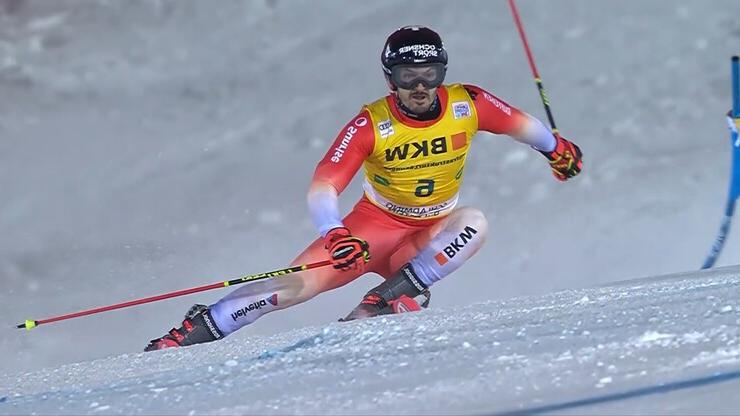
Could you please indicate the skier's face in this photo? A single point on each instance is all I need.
(418, 99)
(417, 84)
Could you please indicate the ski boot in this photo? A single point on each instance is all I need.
(395, 295)
(197, 328)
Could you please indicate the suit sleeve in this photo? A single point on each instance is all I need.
(354, 143)
(497, 117)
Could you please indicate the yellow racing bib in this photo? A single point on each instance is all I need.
(416, 172)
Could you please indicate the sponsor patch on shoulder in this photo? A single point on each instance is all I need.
(461, 109)
(498, 104)
(386, 128)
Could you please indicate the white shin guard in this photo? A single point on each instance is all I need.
(462, 235)
(244, 305)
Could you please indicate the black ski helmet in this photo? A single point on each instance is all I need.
(412, 45)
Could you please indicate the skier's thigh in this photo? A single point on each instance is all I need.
(325, 278)
(452, 224)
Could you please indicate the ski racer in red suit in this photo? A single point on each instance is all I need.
(407, 227)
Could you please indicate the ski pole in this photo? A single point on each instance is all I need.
(530, 58)
(29, 324)
(734, 191)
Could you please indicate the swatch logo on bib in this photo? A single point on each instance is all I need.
(385, 128)
(461, 109)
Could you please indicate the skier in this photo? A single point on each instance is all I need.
(407, 227)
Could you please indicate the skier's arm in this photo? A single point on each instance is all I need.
(354, 143)
(498, 117)
(495, 116)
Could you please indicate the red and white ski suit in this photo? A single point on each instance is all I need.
(408, 212)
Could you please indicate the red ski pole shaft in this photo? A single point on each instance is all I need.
(29, 324)
(530, 58)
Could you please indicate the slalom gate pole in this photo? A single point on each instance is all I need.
(530, 58)
(29, 324)
(734, 189)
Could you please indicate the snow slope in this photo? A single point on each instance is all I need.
(156, 145)
(654, 346)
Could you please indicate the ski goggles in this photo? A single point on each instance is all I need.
(407, 77)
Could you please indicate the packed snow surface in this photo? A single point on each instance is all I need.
(674, 334)
(151, 146)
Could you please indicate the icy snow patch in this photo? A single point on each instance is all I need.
(651, 337)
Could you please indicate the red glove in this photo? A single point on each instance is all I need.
(566, 160)
(346, 252)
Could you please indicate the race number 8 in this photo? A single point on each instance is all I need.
(425, 189)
